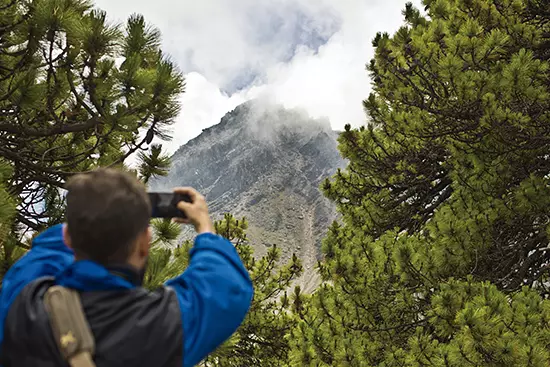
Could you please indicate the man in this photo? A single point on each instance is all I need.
(102, 253)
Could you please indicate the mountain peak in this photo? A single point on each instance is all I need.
(264, 162)
(266, 122)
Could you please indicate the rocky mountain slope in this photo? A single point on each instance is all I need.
(265, 163)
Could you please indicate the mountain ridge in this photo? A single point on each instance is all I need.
(265, 163)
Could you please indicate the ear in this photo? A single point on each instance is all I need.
(66, 236)
(145, 242)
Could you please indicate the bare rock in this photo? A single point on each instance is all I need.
(266, 163)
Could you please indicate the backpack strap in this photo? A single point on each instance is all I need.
(70, 327)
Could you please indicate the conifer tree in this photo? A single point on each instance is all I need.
(77, 92)
(442, 255)
(9, 251)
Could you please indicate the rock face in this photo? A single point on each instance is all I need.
(265, 163)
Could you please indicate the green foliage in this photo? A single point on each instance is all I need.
(262, 338)
(164, 260)
(7, 210)
(442, 255)
(9, 251)
(77, 92)
(153, 164)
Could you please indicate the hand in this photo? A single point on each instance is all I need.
(196, 211)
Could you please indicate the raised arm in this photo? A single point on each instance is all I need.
(215, 292)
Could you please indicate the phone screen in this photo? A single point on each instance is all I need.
(164, 205)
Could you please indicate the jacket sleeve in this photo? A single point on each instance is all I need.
(214, 294)
(48, 256)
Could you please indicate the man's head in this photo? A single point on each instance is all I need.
(108, 214)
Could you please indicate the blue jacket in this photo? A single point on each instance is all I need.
(213, 294)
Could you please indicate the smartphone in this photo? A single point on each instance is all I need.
(165, 204)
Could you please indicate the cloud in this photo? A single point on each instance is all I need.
(231, 41)
(301, 53)
(203, 106)
(333, 81)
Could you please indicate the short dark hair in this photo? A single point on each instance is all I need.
(106, 211)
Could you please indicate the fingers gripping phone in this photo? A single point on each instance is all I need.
(165, 204)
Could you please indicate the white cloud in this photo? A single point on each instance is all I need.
(333, 82)
(226, 39)
(225, 45)
(203, 106)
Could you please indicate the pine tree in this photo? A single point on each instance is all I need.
(442, 255)
(9, 251)
(262, 339)
(77, 92)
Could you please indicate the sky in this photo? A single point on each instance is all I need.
(308, 54)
